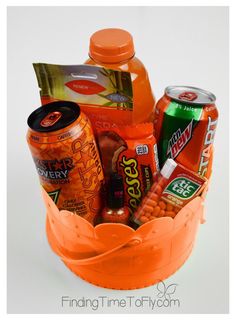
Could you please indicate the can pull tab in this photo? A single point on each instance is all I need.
(188, 96)
(51, 119)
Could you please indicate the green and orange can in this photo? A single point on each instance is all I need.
(185, 124)
(66, 157)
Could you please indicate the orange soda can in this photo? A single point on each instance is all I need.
(185, 124)
(66, 157)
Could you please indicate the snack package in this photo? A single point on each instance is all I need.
(131, 151)
(104, 95)
(175, 187)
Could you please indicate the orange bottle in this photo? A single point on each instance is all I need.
(114, 49)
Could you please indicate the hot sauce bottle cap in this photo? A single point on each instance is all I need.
(111, 45)
(168, 168)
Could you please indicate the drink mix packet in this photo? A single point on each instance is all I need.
(131, 151)
(175, 187)
(104, 95)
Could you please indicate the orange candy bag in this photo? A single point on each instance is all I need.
(130, 151)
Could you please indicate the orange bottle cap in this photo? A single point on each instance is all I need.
(111, 46)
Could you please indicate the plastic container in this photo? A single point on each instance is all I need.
(114, 49)
(118, 257)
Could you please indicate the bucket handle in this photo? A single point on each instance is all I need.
(126, 246)
(132, 242)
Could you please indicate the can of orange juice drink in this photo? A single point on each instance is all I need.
(66, 157)
(185, 124)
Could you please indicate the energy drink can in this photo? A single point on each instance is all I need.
(66, 157)
(185, 124)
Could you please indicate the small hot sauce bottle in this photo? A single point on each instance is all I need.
(115, 211)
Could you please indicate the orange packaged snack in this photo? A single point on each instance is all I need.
(175, 187)
(65, 154)
(131, 151)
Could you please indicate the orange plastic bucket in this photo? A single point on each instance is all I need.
(117, 256)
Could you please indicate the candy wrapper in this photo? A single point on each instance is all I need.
(130, 151)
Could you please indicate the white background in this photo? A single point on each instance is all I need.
(178, 46)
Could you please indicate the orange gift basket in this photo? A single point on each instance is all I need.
(115, 256)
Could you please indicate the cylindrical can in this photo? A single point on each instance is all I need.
(185, 124)
(66, 157)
